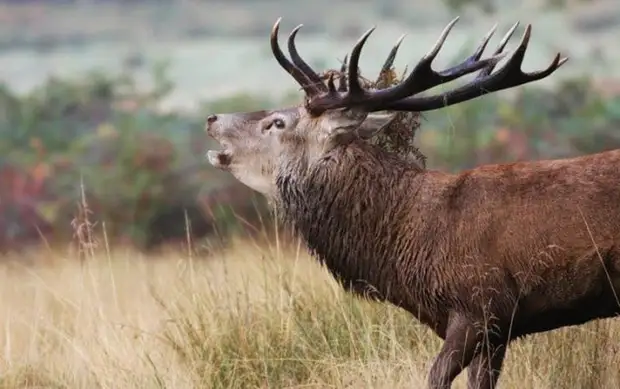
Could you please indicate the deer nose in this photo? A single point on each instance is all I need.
(211, 119)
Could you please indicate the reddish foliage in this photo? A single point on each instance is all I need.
(20, 222)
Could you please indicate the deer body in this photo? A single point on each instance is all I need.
(528, 239)
(482, 257)
(519, 248)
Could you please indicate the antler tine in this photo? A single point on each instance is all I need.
(500, 48)
(299, 62)
(387, 65)
(342, 81)
(428, 57)
(483, 44)
(355, 89)
(302, 79)
(471, 63)
(510, 75)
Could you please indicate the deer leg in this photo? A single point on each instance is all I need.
(458, 350)
(485, 368)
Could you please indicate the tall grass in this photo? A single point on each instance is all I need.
(249, 317)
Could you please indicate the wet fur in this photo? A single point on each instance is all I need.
(498, 252)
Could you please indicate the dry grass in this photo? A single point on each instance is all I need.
(250, 317)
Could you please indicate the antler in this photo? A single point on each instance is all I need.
(509, 76)
(380, 82)
(303, 77)
(350, 93)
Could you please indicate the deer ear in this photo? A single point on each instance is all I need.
(358, 127)
(340, 126)
(375, 123)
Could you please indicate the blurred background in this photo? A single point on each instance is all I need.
(102, 103)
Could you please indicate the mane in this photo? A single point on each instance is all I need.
(314, 204)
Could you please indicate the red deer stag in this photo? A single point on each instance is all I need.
(482, 257)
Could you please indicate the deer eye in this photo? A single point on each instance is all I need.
(279, 123)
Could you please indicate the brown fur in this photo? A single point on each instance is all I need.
(495, 253)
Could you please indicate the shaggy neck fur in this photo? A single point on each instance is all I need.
(351, 208)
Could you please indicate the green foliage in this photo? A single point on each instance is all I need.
(133, 160)
(136, 161)
(572, 118)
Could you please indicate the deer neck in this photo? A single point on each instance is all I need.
(350, 208)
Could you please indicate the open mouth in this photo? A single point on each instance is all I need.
(220, 159)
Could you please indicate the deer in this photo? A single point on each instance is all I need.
(483, 256)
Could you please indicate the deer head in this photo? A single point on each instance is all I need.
(256, 145)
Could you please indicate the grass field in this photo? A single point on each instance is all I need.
(249, 317)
